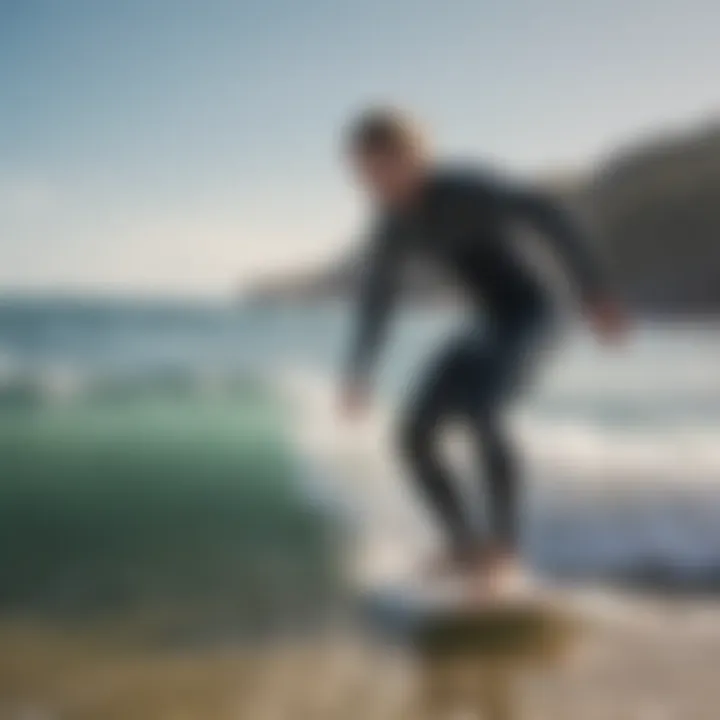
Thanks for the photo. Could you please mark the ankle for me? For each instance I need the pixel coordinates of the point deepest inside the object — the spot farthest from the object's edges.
(501, 552)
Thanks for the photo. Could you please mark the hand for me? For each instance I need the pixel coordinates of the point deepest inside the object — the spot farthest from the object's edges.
(608, 320)
(354, 400)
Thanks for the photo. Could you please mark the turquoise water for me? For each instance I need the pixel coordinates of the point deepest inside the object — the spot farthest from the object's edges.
(141, 484)
(145, 504)
(149, 460)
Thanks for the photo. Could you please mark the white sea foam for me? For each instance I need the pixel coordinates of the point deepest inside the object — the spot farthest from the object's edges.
(601, 499)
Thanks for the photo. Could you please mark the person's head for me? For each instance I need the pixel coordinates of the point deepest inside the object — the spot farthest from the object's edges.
(388, 153)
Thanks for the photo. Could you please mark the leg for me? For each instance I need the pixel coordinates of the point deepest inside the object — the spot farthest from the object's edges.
(493, 374)
(501, 480)
(432, 402)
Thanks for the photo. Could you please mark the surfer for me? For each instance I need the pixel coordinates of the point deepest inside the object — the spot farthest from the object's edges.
(460, 220)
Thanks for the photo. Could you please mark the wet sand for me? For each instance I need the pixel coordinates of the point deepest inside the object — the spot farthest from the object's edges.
(642, 659)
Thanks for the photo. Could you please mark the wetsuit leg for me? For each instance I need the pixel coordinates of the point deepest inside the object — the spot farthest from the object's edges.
(436, 399)
(499, 472)
(472, 379)
(497, 366)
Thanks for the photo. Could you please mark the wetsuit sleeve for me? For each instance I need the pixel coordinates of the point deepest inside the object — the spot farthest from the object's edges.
(566, 238)
(378, 288)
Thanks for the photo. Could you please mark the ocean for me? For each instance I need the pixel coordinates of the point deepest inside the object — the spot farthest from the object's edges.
(187, 453)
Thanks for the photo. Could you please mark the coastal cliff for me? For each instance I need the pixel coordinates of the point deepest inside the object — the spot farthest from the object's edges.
(654, 207)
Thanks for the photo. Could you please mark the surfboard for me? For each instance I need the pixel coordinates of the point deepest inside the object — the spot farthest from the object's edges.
(442, 618)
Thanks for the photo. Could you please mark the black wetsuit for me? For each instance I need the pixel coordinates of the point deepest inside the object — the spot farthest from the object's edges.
(461, 221)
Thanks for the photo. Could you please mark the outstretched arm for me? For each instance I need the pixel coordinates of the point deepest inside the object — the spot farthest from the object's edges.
(376, 295)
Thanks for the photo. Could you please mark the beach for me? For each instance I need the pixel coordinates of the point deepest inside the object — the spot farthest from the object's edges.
(654, 659)
(179, 502)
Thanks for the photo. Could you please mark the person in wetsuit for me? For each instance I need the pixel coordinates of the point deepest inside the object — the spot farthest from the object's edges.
(461, 220)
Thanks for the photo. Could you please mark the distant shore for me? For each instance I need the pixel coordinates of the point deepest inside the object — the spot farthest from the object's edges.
(654, 209)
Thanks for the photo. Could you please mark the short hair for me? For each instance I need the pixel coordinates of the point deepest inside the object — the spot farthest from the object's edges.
(385, 130)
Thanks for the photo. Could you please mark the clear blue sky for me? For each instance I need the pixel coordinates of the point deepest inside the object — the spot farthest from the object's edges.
(185, 145)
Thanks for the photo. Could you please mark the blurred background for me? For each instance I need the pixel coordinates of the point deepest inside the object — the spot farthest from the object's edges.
(178, 247)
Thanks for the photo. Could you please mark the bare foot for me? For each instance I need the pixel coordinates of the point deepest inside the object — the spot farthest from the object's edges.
(454, 563)
(438, 566)
(499, 573)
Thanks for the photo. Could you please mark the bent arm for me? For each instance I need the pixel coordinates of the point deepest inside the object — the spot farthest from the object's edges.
(376, 298)
(566, 239)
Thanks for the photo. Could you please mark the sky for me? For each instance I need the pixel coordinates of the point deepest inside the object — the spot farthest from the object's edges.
(191, 146)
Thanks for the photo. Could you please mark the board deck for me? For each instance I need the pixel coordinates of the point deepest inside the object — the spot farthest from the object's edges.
(445, 620)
